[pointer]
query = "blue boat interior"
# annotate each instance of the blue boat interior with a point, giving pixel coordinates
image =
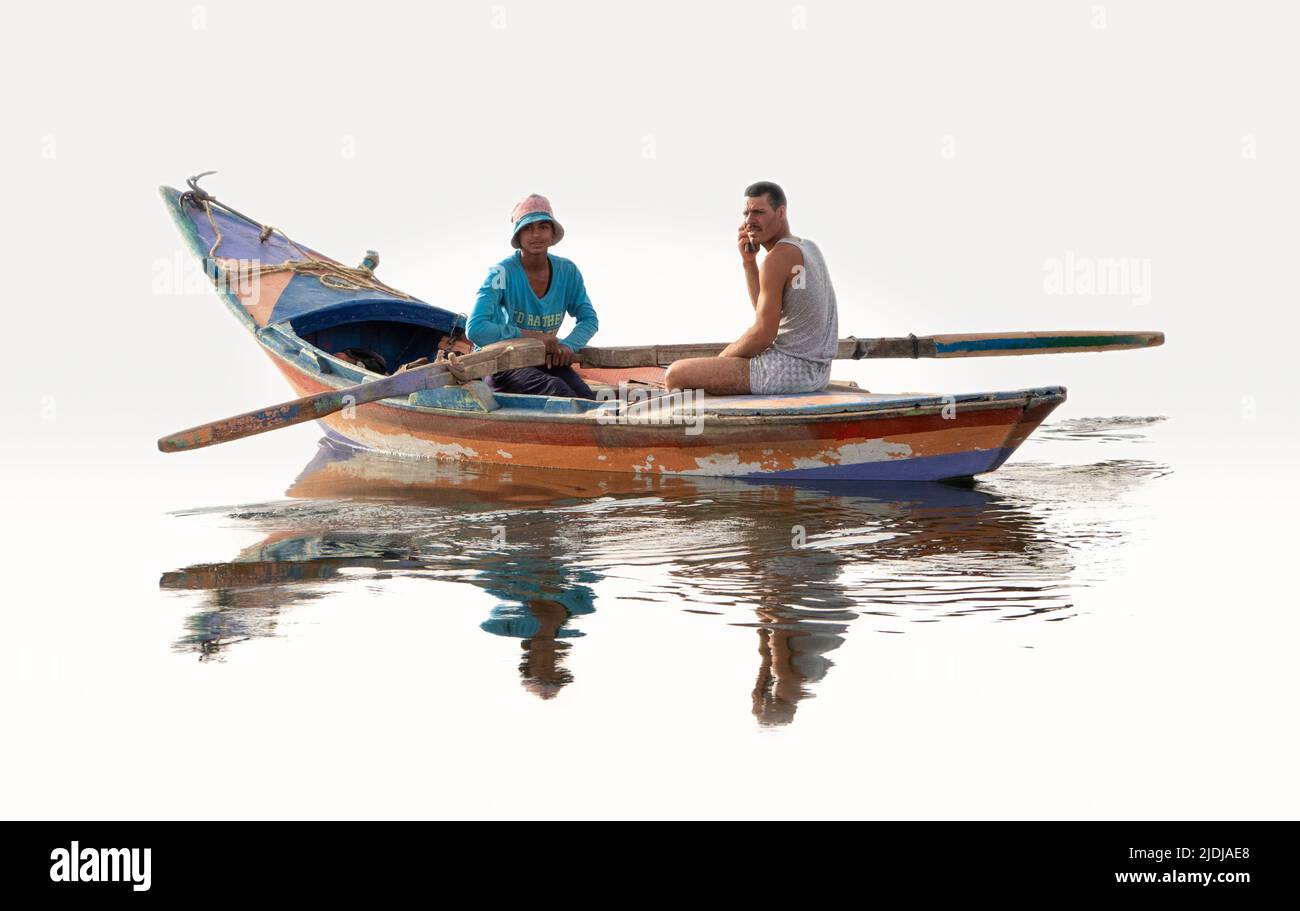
(398, 331)
(396, 343)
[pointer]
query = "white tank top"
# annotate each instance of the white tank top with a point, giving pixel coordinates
(810, 324)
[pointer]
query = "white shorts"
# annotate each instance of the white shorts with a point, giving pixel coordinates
(773, 373)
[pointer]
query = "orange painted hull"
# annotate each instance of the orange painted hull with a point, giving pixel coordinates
(916, 443)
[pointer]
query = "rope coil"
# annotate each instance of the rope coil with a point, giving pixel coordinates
(332, 275)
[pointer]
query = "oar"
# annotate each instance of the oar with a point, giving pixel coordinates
(979, 344)
(508, 355)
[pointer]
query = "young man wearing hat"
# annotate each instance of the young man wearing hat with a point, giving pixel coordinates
(528, 294)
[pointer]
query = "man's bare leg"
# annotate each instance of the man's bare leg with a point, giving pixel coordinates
(715, 375)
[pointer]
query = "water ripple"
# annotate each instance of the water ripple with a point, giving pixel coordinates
(802, 563)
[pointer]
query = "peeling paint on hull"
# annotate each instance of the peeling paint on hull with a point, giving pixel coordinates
(920, 447)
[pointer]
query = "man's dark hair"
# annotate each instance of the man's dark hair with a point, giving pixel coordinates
(765, 187)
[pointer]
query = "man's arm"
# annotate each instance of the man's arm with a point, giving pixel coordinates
(580, 308)
(772, 276)
(749, 259)
(752, 282)
(489, 321)
(560, 353)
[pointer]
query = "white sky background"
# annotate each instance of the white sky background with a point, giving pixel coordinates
(413, 130)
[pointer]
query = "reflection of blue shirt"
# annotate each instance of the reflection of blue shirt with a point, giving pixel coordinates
(506, 304)
(516, 620)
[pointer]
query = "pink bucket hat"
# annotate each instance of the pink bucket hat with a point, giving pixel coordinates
(530, 209)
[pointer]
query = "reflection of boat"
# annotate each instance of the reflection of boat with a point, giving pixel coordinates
(319, 322)
(723, 546)
(341, 472)
(338, 471)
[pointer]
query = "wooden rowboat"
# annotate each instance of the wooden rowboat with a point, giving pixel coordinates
(303, 309)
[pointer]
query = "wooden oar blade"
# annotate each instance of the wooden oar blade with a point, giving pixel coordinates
(1002, 344)
(507, 355)
(286, 414)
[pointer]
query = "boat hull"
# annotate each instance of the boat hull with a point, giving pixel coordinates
(938, 442)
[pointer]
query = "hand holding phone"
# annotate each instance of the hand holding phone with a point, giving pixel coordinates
(748, 249)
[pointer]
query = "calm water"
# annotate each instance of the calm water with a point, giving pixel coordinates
(804, 567)
(1099, 629)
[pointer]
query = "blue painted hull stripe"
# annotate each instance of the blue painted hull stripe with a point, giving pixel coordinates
(924, 468)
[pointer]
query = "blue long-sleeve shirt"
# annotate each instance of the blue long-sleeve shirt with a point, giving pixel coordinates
(506, 304)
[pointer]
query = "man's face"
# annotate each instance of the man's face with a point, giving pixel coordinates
(536, 237)
(761, 220)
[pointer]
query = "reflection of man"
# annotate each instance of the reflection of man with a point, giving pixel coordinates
(804, 609)
(790, 660)
(540, 622)
(792, 341)
(527, 295)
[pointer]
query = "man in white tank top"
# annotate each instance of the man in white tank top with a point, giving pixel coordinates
(791, 343)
